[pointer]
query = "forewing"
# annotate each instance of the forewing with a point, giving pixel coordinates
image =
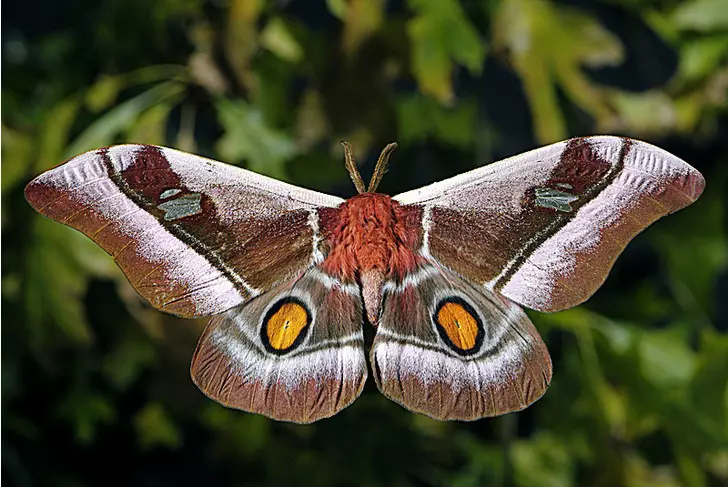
(544, 228)
(455, 351)
(295, 353)
(194, 236)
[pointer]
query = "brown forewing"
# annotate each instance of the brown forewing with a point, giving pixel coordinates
(227, 243)
(613, 187)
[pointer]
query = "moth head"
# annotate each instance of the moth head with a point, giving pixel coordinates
(379, 169)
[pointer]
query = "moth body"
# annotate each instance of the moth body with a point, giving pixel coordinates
(289, 274)
(372, 238)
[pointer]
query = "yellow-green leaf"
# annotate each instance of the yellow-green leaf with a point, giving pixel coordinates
(277, 38)
(441, 35)
(154, 427)
(548, 46)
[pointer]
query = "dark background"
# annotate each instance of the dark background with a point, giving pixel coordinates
(95, 384)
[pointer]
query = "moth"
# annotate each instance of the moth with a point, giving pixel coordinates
(291, 276)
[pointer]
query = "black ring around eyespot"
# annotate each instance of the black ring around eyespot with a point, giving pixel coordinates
(480, 335)
(301, 335)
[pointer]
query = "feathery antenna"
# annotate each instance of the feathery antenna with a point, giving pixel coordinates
(351, 167)
(379, 169)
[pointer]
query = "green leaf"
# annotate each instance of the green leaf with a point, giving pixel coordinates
(694, 247)
(249, 432)
(277, 38)
(542, 461)
(103, 130)
(701, 15)
(154, 427)
(104, 92)
(699, 57)
(337, 8)
(55, 133)
(241, 39)
(247, 138)
(665, 359)
(151, 125)
(86, 410)
(17, 157)
(548, 46)
(709, 388)
(441, 35)
(59, 263)
(420, 118)
(651, 112)
(123, 365)
(690, 467)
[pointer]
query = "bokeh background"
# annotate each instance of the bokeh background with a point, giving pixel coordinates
(95, 383)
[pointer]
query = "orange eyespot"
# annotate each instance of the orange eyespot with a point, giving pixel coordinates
(458, 325)
(285, 325)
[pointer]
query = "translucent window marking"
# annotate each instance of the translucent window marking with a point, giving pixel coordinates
(555, 199)
(186, 205)
(168, 193)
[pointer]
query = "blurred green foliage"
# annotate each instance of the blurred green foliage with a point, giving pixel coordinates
(95, 388)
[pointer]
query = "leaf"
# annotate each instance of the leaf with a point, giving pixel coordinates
(247, 138)
(690, 468)
(241, 40)
(542, 461)
(59, 262)
(17, 156)
(123, 365)
(440, 36)
(665, 359)
(154, 427)
(651, 112)
(420, 118)
(548, 45)
(337, 8)
(709, 388)
(701, 15)
(639, 473)
(699, 57)
(104, 92)
(86, 410)
(248, 432)
(695, 250)
(103, 130)
(311, 122)
(151, 125)
(55, 134)
(361, 19)
(277, 38)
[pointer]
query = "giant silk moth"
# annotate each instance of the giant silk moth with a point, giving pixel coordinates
(292, 276)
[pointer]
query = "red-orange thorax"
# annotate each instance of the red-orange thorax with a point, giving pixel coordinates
(372, 232)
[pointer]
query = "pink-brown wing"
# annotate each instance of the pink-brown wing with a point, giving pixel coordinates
(544, 228)
(194, 236)
(454, 351)
(303, 369)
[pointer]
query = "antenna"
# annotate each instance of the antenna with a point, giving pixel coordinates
(379, 169)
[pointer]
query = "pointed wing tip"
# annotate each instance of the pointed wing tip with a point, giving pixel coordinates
(681, 173)
(671, 169)
(697, 184)
(37, 192)
(32, 191)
